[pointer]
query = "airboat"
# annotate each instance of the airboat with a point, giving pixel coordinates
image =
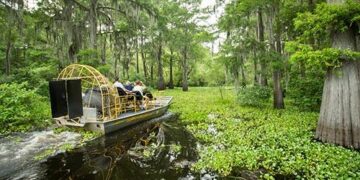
(82, 97)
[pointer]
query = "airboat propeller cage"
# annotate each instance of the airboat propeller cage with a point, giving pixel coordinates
(91, 88)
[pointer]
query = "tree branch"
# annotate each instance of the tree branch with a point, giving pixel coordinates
(81, 5)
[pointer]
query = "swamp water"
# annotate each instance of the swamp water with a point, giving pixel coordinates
(157, 149)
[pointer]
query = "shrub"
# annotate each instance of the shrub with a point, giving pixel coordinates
(306, 93)
(254, 96)
(22, 109)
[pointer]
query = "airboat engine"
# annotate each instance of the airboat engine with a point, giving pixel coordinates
(81, 93)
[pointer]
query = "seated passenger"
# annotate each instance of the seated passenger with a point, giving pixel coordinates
(120, 87)
(146, 91)
(118, 84)
(138, 90)
(129, 86)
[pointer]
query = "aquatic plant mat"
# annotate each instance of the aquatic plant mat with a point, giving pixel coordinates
(270, 143)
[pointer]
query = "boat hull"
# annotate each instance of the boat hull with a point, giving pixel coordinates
(161, 105)
(106, 127)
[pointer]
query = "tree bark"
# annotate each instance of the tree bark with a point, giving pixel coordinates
(143, 57)
(256, 79)
(8, 58)
(161, 83)
(339, 121)
(243, 77)
(302, 69)
(137, 56)
(278, 94)
(103, 50)
(152, 72)
(117, 53)
(235, 72)
(262, 77)
(171, 80)
(278, 101)
(185, 71)
(93, 24)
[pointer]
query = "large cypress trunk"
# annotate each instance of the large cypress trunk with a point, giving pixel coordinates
(339, 121)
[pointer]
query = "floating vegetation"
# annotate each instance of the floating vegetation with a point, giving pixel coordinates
(235, 138)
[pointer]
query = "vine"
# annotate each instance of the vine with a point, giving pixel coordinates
(326, 19)
(328, 57)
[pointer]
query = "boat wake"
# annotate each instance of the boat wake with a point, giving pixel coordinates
(23, 150)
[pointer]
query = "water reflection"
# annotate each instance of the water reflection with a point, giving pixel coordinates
(154, 150)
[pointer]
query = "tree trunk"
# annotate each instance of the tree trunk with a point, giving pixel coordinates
(143, 57)
(171, 81)
(235, 72)
(256, 79)
(8, 58)
(137, 56)
(128, 61)
(161, 83)
(115, 67)
(311, 5)
(243, 77)
(117, 52)
(278, 101)
(152, 72)
(278, 94)
(185, 71)
(339, 121)
(117, 60)
(262, 78)
(93, 23)
(302, 69)
(103, 50)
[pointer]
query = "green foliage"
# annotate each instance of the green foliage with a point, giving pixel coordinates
(327, 57)
(254, 96)
(44, 154)
(66, 147)
(86, 135)
(61, 129)
(326, 19)
(36, 69)
(104, 69)
(306, 93)
(88, 57)
(280, 142)
(22, 109)
(89, 135)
